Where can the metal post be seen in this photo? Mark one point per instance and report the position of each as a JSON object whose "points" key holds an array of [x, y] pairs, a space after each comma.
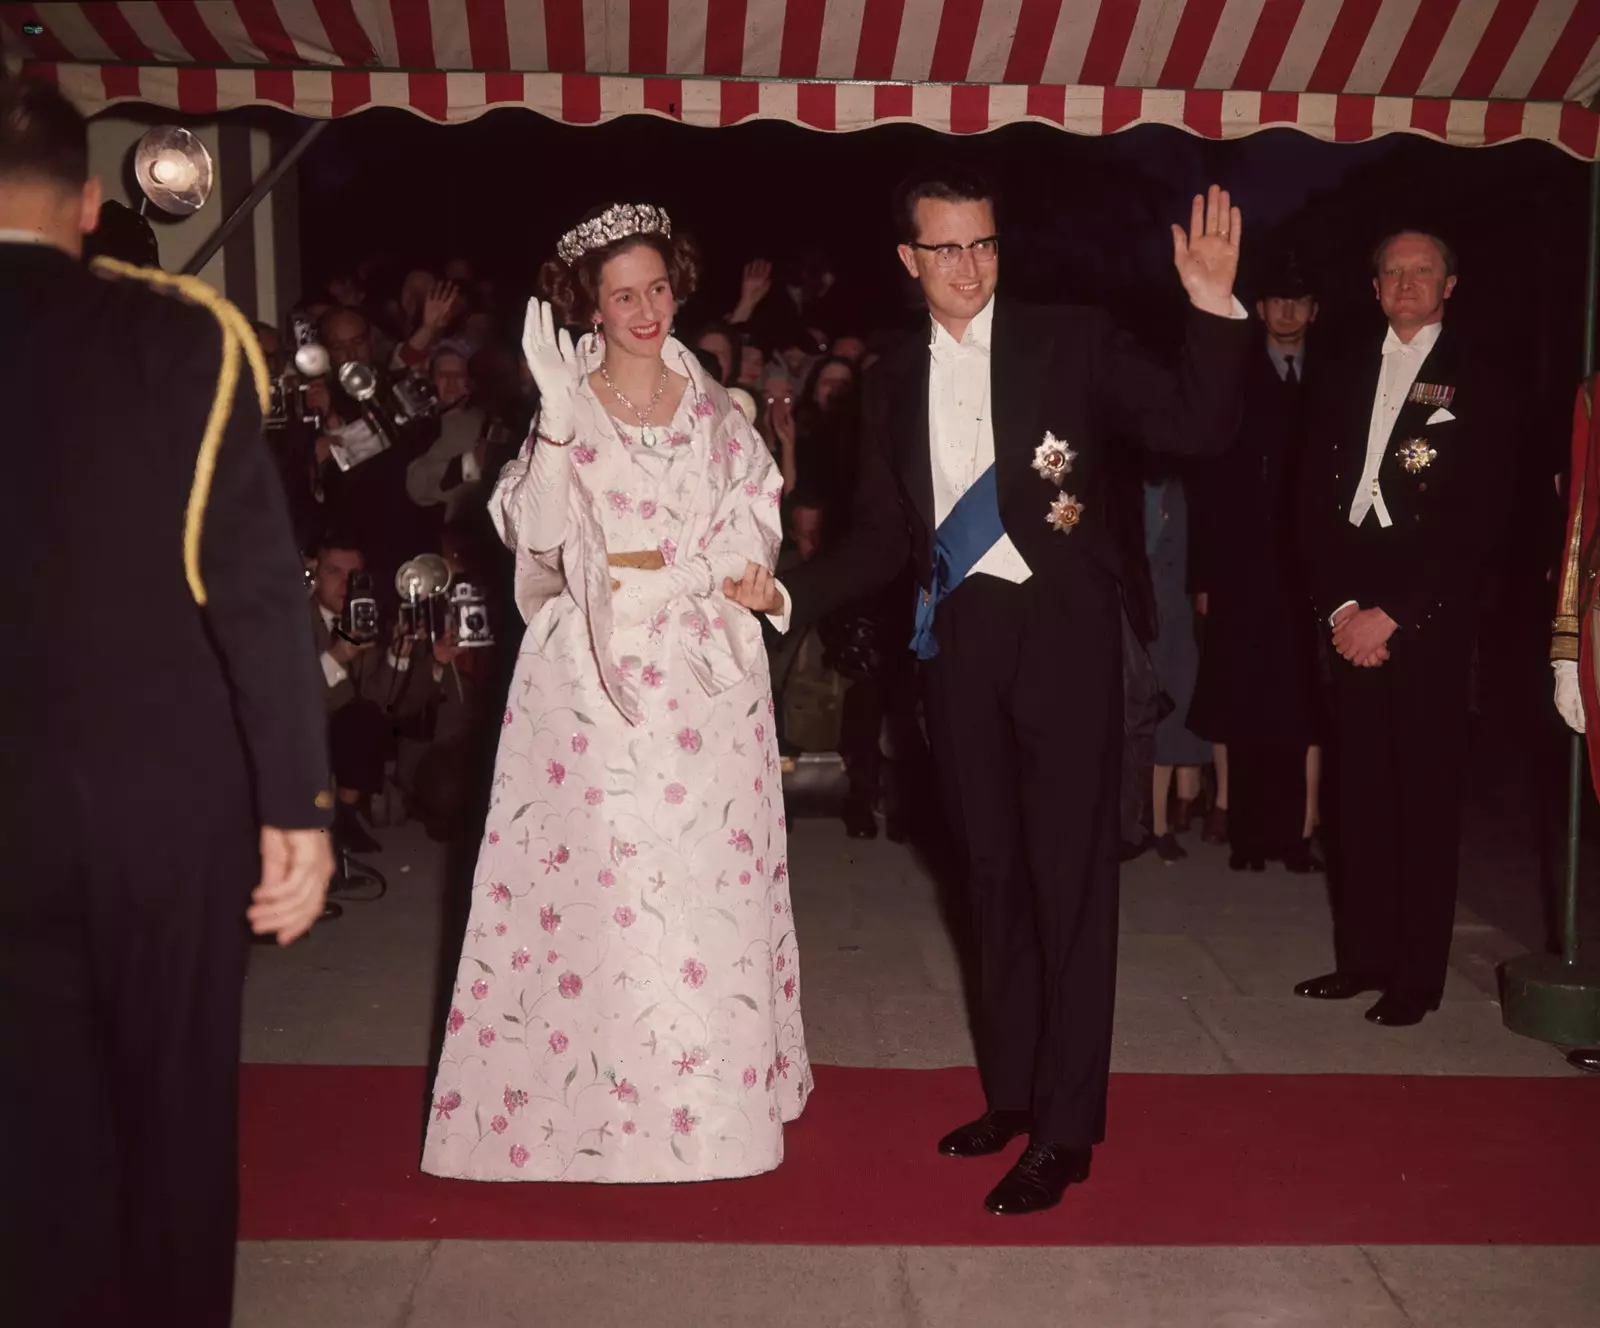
{"points": [[263, 187]]}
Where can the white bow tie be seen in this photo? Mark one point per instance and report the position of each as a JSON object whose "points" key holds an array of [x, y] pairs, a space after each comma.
{"points": [[946, 352]]}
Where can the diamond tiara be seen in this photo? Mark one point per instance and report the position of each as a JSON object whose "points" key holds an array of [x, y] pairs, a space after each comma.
{"points": [[617, 222]]}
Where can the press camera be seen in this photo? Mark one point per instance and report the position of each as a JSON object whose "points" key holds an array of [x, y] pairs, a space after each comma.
{"points": [[287, 402], [359, 622], [433, 606]]}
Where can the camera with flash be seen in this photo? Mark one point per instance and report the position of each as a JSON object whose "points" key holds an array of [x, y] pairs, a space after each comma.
{"points": [[288, 393], [433, 606]]}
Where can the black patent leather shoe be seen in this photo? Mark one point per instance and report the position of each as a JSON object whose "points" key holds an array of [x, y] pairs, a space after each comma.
{"points": [[991, 1132], [859, 822], [1394, 1011], [1039, 1179], [1336, 987], [1246, 862], [1303, 860]]}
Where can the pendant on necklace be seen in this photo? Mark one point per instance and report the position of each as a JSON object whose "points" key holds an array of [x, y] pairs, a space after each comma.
{"points": [[647, 436]]}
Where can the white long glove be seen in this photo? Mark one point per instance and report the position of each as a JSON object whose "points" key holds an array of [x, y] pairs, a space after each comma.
{"points": [[640, 593], [555, 368], [1569, 696], [541, 493]]}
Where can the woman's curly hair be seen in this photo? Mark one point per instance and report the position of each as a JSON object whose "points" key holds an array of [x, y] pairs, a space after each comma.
{"points": [[574, 288]]}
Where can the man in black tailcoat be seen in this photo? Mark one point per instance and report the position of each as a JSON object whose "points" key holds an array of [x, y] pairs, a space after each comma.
{"points": [[983, 451], [1409, 463], [163, 753], [1257, 691]]}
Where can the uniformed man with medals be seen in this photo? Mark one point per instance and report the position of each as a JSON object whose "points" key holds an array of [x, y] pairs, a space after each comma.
{"points": [[163, 760], [1402, 501]]}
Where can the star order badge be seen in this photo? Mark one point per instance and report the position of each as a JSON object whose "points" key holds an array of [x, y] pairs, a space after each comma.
{"points": [[1065, 513], [1415, 455], [1053, 458]]}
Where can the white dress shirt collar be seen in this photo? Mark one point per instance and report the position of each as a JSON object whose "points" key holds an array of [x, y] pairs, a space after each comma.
{"points": [[978, 336], [8, 236], [1423, 341]]}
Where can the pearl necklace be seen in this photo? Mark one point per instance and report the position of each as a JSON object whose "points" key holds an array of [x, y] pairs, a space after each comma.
{"points": [[647, 434]]}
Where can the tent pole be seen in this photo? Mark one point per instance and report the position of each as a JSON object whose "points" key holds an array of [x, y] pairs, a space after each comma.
{"points": [[1541, 996], [262, 188]]}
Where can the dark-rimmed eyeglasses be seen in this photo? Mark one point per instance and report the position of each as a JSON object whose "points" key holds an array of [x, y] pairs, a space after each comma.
{"points": [[985, 250]]}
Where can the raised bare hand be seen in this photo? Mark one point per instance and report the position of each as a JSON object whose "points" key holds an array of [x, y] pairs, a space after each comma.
{"points": [[440, 305], [1207, 258]]}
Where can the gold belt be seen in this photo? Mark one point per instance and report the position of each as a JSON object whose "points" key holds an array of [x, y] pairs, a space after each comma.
{"points": [[645, 560]]}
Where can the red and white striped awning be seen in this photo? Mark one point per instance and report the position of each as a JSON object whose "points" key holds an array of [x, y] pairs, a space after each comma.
{"points": [[1466, 71]]}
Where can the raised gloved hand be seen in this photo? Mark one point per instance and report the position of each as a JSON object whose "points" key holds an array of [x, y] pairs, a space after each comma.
{"points": [[555, 368], [1569, 696]]}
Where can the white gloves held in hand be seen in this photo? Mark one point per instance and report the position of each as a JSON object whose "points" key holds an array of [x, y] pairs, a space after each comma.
{"points": [[554, 364], [1569, 696], [639, 593]]}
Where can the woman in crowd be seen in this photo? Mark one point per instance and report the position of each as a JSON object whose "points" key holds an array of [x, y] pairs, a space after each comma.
{"points": [[627, 1003], [1179, 753]]}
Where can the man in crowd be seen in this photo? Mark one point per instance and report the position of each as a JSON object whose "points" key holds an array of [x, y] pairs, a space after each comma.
{"points": [[174, 760], [369, 690], [362, 467], [984, 443], [1257, 690], [1401, 506]]}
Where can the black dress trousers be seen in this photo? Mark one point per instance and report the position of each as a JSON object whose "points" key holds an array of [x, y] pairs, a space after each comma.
{"points": [[1402, 730], [120, 995], [1024, 708]]}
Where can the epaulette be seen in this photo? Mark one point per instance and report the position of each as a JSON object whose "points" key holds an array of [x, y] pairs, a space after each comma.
{"points": [[237, 338]]}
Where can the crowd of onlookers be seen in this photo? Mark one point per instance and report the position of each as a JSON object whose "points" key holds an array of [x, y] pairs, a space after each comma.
{"points": [[371, 484]]}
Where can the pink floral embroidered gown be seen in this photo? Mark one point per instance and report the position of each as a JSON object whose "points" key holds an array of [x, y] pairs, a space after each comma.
{"points": [[627, 1005]]}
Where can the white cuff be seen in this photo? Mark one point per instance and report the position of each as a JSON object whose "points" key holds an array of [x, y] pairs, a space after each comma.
{"points": [[780, 620], [332, 670], [1238, 310], [1349, 603]]}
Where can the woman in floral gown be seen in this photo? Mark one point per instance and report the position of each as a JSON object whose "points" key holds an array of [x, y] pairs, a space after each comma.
{"points": [[627, 1004]]}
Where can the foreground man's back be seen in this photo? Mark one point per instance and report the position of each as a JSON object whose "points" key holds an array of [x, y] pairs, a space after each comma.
{"points": [[162, 753]]}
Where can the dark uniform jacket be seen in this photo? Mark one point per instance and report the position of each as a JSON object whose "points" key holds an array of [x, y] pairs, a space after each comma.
{"points": [[1446, 485], [178, 680], [1067, 370]]}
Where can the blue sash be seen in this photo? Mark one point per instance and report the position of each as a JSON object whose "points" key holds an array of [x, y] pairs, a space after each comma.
{"points": [[970, 530]]}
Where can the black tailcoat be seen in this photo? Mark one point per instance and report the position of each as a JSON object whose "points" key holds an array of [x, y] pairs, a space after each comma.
{"points": [[1024, 701], [1401, 728], [146, 740]]}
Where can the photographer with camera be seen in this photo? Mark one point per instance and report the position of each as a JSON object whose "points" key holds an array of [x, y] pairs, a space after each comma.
{"points": [[366, 445], [445, 772], [371, 692]]}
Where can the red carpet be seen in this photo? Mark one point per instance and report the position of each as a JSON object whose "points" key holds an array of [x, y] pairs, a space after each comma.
{"points": [[330, 1152]]}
